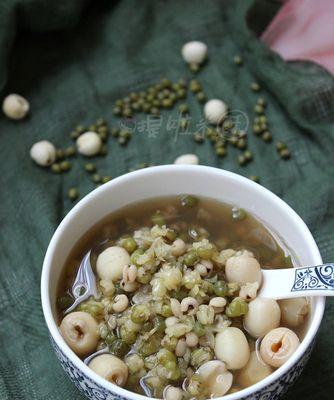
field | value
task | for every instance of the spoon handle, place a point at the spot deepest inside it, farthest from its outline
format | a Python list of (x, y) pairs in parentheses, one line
[(298, 282)]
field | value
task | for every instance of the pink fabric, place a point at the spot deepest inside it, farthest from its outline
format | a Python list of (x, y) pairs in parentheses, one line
[(304, 30)]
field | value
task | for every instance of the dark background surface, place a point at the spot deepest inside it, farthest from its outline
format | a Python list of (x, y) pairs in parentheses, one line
[(72, 63)]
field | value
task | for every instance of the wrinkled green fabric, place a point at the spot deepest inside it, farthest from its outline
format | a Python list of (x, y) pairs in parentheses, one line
[(72, 62)]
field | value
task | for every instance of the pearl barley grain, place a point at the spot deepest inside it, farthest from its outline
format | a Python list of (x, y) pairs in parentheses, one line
[(15, 106), (187, 159), (215, 111), (89, 144), (194, 52), (43, 153)]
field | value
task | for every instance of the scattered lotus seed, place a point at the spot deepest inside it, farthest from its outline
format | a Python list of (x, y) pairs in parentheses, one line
[(73, 193), (215, 111), (43, 153), (65, 165), (90, 167), (187, 159), (267, 137), (237, 60), (15, 106), (89, 144), (194, 52), (255, 87)]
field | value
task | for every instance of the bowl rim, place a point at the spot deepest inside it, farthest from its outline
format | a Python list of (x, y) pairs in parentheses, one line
[(319, 302)]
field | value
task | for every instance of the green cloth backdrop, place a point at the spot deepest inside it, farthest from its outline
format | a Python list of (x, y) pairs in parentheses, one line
[(72, 59)]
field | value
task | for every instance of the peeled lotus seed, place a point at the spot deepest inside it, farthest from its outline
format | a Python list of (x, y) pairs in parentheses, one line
[(80, 331), (187, 159), (89, 144), (262, 316), (215, 111), (231, 346), (294, 311), (172, 393), (278, 346), (110, 368), (243, 269), (194, 52), (15, 106), (218, 380), (43, 153), (254, 371), (111, 262)]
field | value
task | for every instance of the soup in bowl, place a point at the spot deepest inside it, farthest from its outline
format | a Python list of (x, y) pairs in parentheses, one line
[(176, 255)]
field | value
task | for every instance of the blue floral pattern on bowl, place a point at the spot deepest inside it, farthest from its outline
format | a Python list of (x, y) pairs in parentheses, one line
[(94, 391)]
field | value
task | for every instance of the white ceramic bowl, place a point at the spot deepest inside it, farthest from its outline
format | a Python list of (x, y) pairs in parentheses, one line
[(175, 180)]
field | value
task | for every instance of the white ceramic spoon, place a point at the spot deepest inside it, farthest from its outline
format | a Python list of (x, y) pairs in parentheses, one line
[(298, 282)]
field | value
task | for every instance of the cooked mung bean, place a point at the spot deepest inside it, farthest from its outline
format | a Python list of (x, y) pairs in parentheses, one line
[(177, 280)]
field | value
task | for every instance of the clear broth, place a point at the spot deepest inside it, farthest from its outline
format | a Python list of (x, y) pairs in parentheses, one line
[(215, 217)]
